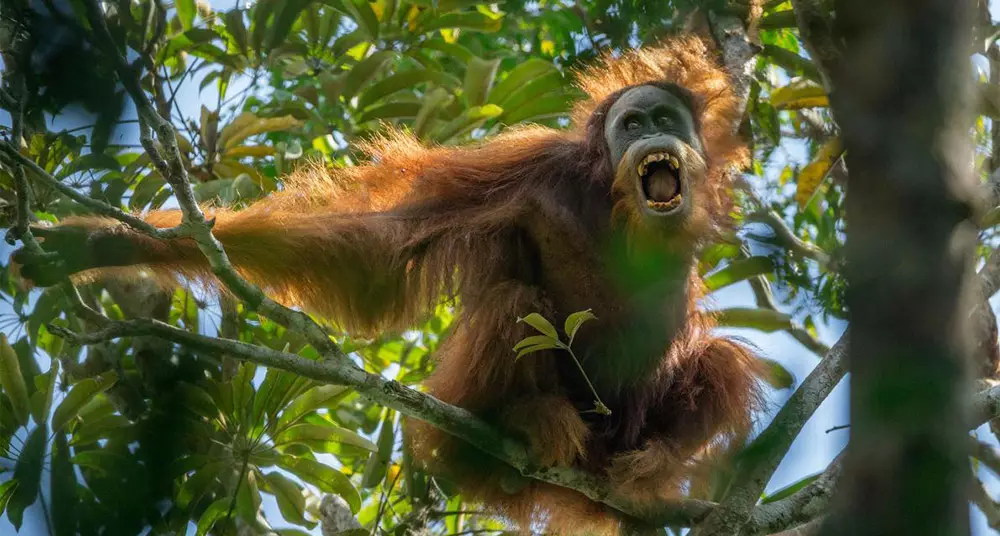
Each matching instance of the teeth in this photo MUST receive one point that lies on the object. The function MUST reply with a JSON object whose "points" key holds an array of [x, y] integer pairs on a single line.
{"points": [[665, 205], [670, 159]]}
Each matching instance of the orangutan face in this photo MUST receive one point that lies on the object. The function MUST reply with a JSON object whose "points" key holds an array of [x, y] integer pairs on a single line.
{"points": [[656, 151]]}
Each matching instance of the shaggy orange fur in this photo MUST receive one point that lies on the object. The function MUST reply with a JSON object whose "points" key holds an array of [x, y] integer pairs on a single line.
{"points": [[516, 224]]}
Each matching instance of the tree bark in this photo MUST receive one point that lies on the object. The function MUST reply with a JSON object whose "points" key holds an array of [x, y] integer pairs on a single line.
{"points": [[900, 93]]}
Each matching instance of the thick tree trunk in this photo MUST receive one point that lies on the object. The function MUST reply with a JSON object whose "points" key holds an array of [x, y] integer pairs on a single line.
{"points": [[900, 94]]}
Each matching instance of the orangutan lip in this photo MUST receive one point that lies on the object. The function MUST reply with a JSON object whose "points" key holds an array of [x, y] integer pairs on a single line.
{"points": [[660, 182]]}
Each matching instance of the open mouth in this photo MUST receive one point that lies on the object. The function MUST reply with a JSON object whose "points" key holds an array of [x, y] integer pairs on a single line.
{"points": [[660, 176]]}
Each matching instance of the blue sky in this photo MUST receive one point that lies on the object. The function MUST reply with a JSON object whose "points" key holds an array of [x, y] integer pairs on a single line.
{"points": [[811, 452]]}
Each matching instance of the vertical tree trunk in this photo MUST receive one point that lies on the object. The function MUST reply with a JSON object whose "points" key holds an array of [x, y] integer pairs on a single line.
{"points": [[900, 94]]}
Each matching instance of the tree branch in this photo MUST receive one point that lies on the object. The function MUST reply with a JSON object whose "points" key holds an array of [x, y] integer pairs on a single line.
{"points": [[759, 460], [454, 420]]}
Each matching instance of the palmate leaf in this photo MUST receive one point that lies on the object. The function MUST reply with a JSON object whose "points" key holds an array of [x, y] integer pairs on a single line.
{"points": [[215, 511], [291, 502], [378, 462], [28, 475], [311, 400], [81, 393], [325, 478], [13, 382], [315, 432]]}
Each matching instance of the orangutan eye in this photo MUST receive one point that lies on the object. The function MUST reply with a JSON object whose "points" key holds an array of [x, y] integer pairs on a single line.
{"points": [[632, 123]]}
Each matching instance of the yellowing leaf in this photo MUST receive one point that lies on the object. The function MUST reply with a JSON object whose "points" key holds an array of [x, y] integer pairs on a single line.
{"points": [[256, 151], [811, 176], [800, 93], [248, 124], [548, 47]]}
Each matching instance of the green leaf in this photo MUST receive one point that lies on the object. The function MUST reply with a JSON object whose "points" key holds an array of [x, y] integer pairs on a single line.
{"points": [[777, 375], [540, 108], [471, 20], [362, 13], [378, 462], [105, 462], [284, 18], [391, 110], [144, 191], [325, 478], [766, 320], [433, 102], [520, 76], [13, 382], [248, 497], [41, 400], [790, 489], [479, 75], [535, 340], [89, 161], [404, 80], [740, 270], [313, 399], [539, 322], [185, 12], [80, 394], [575, 320], [468, 120], [7, 490], [215, 511], [234, 24], [316, 432], [195, 485], [291, 503], [28, 475], [63, 488], [530, 349], [364, 71], [460, 53]]}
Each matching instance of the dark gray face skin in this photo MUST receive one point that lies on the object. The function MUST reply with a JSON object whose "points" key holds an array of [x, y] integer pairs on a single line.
{"points": [[646, 112]]}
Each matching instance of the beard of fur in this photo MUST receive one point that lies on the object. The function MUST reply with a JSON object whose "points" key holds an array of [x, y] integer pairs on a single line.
{"points": [[682, 234]]}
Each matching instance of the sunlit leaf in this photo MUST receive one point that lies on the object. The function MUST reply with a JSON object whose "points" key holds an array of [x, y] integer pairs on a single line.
{"points": [[185, 12], [248, 124], [313, 399], [215, 511], [811, 176], [479, 75], [801, 93], [739, 270], [315, 432], [766, 320]]}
